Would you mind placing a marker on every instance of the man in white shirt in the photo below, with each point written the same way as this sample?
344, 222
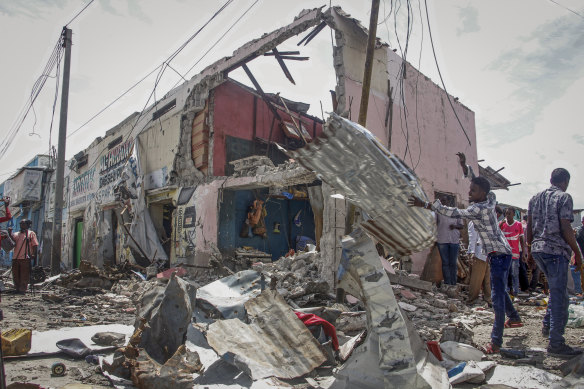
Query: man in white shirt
480, 274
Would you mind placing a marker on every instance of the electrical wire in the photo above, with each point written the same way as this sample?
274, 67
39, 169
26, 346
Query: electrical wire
57, 81
115, 100
79, 13
218, 40
440, 74
162, 68
568, 9
35, 92
417, 80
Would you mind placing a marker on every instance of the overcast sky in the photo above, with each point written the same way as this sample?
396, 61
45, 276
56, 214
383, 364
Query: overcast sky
516, 63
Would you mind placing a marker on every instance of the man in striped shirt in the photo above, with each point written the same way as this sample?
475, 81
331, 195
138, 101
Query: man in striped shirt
482, 213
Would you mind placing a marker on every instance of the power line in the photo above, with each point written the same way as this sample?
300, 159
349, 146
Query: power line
440, 74
114, 101
162, 68
54, 59
79, 13
218, 40
568, 9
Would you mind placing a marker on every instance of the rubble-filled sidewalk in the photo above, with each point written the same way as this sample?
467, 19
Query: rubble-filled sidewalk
242, 331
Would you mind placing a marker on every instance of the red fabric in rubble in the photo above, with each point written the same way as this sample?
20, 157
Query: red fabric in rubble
310, 319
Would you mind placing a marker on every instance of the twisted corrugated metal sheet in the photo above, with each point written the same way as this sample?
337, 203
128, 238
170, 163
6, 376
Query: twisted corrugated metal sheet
350, 159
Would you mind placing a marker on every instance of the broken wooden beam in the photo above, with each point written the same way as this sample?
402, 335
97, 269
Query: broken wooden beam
261, 91
283, 66
294, 58
310, 36
413, 283
283, 53
298, 126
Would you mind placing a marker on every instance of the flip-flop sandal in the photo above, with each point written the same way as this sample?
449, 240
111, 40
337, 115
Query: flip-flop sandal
490, 348
513, 324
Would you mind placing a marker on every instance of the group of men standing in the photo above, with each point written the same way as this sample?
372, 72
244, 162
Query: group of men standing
498, 246
25, 249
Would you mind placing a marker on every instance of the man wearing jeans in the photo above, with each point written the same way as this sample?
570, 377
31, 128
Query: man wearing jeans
480, 273
551, 240
513, 231
482, 213
448, 240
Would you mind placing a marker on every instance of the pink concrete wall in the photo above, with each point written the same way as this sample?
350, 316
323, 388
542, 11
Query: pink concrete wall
233, 116
432, 137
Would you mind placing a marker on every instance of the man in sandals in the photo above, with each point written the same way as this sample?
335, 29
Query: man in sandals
25, 251
482, 213
550, 239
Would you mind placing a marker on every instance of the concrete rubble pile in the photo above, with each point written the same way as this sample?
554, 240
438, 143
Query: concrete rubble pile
296, 278
156, 356
88, 278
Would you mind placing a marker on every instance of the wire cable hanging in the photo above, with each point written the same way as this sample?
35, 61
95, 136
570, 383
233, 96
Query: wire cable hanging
440, 74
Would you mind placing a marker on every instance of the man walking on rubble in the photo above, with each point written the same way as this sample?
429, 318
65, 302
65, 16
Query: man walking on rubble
513, 231
25, 251
482, 213
550, 239
480, 277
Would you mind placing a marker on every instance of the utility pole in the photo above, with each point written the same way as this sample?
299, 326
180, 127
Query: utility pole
350, 220
58, 214
350, 217
368, 62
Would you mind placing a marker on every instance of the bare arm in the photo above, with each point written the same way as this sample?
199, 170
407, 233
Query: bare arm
8, 215
570, 238
523, 248
529, 231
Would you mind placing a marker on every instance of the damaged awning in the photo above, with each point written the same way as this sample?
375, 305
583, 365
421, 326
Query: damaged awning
354, 162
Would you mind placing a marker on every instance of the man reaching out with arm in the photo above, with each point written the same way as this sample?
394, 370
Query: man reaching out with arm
482, 213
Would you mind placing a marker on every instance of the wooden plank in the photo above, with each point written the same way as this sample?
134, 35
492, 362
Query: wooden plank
283, 66
413, 283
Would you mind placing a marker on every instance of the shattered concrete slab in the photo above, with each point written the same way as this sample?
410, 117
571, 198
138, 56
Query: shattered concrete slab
522, 377
393, 354
166, 313
354, 162
176, 373
225, 298
274, 344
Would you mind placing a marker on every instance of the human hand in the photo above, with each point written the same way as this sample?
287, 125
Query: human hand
414, 201
461, 158
578, 259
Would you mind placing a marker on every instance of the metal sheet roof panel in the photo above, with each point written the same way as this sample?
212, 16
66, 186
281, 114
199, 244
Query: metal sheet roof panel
274, 344
349, 158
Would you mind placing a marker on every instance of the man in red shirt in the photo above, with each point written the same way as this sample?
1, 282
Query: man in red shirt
25, 251
513, 230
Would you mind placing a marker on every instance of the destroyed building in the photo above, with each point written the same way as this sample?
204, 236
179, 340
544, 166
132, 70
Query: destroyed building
192, 164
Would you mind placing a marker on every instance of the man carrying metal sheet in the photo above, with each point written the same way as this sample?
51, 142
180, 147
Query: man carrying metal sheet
482, 213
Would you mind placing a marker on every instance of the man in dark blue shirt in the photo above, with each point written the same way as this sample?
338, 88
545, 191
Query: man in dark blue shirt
550, 240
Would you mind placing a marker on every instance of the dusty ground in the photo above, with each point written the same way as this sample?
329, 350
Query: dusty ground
530, 339
28, 311
77, 309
